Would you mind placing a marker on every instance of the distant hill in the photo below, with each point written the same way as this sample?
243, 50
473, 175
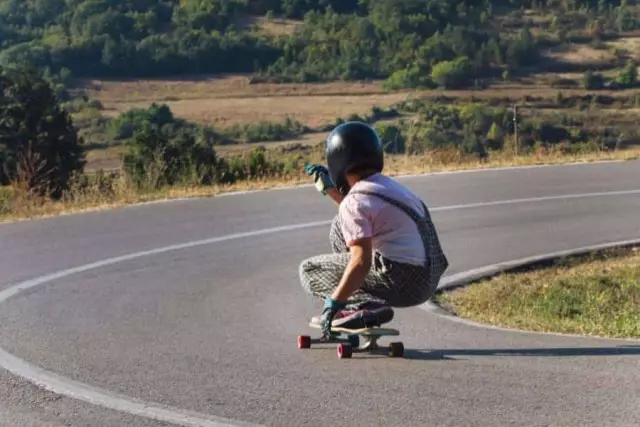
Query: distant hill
413, 43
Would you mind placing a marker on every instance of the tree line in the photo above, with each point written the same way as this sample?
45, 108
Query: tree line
411, 42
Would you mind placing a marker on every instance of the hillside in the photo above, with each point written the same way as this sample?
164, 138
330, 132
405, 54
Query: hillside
416, 43
433, 76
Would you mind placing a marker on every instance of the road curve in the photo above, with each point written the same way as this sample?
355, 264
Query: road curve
209, 327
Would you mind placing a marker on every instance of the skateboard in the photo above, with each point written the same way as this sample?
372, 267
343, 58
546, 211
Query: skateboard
348, 340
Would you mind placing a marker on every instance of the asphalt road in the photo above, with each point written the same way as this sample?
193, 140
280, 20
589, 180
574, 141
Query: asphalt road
211, 328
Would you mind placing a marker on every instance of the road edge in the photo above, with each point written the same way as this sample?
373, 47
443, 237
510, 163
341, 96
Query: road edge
469, 277
295, 187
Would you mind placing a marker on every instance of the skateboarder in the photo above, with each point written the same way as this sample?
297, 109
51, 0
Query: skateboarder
386, 252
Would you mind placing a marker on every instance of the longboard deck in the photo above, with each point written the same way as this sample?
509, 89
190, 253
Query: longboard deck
364, 331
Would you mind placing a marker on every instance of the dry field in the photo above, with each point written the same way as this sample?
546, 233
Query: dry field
274, 27
312, 111
631, 45
214, 87
581, 54
232, 100
106, 158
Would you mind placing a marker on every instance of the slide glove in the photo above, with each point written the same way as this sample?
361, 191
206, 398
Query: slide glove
331, 308
321, 177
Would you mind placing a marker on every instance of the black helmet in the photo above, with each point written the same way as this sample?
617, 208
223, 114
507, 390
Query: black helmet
350, 145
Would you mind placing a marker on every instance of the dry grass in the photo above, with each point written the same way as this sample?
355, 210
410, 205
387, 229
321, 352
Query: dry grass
276, 26
311, 111
598, 295
14, 205
581, 54
208, 87
630, 45
109, 158
307, 103
306, 140
106, 159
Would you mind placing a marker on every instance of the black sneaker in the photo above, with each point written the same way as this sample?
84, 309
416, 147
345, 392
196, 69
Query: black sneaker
365, 317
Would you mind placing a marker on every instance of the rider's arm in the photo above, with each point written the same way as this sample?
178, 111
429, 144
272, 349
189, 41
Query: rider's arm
335, 195
356, 271
357, 232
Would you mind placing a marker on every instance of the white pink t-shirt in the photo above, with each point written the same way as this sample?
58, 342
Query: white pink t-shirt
394, 234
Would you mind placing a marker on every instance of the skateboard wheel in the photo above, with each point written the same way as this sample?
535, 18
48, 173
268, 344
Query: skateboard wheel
354, 340
344, 351
304, 341
396, 349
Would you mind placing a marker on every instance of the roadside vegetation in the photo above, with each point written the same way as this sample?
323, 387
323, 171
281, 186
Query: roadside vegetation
594, 295
106, 103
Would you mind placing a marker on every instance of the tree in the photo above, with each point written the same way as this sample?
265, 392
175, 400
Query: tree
38, 142
161, 155
628, 76
495, 137
452, 74
392, 138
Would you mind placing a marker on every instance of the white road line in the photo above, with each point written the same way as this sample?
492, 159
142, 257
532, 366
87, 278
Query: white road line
102, 397
537, 199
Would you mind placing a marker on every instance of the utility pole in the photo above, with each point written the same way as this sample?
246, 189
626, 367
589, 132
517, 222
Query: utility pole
515, 127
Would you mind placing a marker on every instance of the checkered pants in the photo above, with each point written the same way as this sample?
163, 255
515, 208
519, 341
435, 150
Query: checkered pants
388, 282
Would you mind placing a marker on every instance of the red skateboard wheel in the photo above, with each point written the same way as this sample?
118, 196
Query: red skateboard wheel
304, 341
344, 351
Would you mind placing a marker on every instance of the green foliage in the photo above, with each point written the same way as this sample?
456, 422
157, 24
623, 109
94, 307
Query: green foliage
124, 126
253, 165
392, 138
628, 76
39, 146
267, 131
402, 41
441, 123
495, 137
339, 39
451, 74
156, 157
408, 78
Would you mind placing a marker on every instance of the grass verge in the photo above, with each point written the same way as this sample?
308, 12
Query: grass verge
16, 204
596, 295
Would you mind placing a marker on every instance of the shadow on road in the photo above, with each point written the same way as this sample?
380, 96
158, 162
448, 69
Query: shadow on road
631, 350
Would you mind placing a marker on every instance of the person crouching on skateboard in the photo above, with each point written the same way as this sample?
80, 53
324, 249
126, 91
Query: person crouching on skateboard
386, 252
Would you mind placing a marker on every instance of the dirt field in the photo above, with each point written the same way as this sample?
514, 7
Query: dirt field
631, 45
214, 87
231, 100
311, 111
581, 54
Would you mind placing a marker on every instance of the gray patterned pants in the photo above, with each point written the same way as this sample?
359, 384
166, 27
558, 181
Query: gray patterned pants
388, 282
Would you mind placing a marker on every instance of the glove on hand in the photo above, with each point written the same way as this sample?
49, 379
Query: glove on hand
331, 307
321, 177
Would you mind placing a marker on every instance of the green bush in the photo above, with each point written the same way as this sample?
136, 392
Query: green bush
628, 76
124, 126
268, 131
156, 157
452, 74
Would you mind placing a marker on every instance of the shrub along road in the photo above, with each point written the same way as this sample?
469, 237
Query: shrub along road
211, 328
